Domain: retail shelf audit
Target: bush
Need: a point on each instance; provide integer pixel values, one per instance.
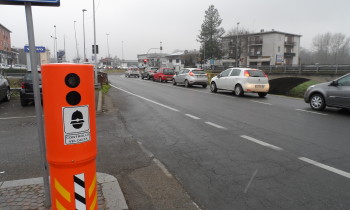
(299, 90)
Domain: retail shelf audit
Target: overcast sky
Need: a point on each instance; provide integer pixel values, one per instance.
(142, 24)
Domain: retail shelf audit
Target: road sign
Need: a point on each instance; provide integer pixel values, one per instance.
(33, 2)
(39, 49)
(76, 122)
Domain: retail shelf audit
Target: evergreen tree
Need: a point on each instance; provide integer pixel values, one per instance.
(210, 34)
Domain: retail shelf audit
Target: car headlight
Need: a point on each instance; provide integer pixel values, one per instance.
(310, 87)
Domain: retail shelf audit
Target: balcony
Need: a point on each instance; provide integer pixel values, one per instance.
(258, 53)
(289, 43)
(289, 54)
(255, 42)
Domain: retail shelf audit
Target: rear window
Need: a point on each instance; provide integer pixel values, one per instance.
(198, 72)
(168, 72)
(256, 73)
(29, 77)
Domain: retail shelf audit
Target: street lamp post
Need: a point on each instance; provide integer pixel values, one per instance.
(107, 46)
(76, 42)
(55, 44)
(84, 10)
(54, 47)
(237, 47)
(95, 47)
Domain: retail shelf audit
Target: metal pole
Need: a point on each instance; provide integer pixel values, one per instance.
(37, 98)
(107, 46)
(76, 42)
(95, 56)
(55, 44)
(122, 50)
(237, 47)
(84, 10)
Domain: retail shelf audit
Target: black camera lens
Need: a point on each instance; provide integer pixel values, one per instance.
(73, 98)
(72, 80)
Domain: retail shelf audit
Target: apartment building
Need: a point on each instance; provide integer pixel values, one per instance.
(6, 55)
(264, 48)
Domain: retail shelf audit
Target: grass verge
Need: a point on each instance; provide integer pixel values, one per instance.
(299, 90)
(105, 88)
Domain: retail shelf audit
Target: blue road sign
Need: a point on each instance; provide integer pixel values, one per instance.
(55, 3)
(39, 49)
(38, 1)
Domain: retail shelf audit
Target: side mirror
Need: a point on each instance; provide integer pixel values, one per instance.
(334, 83)
(219, 76)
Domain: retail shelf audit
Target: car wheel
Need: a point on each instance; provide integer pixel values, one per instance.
(239, 90)
(317, 102)
(262, 95)
(174, 82)
(24, 102)
(187, 84)
(8, 95)
(213, 87)
(148, 77)
(142, 77)
(160, 79)
(204, 86)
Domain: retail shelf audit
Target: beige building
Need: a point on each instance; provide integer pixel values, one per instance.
(264, 48)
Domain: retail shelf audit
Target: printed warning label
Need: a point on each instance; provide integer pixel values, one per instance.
(76, 123)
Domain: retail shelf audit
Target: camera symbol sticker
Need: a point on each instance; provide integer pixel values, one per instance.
(76, 121)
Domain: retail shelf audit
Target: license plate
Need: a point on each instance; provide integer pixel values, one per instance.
(169, 78)
(259, 86)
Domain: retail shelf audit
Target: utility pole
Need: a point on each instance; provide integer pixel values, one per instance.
(237, 47)
(84, 10)
(76, 42)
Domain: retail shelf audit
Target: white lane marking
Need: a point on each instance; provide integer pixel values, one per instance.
(10, 118)
(261, 142)
(162, 167)
(2, 172)
(193, 117)
(250, 181)
(329, 168)
(302, 110)
(216, 125)
(260, 102)
(146, 99)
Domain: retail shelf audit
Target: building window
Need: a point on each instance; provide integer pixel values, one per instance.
(177, 60)
(279, 49)
(170, 60)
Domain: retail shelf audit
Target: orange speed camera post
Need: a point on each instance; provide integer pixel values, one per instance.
(70, 125)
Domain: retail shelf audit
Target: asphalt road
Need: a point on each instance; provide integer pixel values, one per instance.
(241, 152)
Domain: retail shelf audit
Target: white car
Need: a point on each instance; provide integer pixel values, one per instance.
(240, 81)
(4, 66)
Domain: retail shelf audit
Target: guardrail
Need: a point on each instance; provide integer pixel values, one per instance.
(296, 69)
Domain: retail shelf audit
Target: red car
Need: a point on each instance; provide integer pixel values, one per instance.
(164, 74)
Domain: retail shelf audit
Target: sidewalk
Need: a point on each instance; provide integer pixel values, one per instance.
(29, 194)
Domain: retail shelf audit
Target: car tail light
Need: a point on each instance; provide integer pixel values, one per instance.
(191, 73)
(265, 74)
(23, 85)
(246, 73)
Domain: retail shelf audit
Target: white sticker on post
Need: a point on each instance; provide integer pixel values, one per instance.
(76, 123)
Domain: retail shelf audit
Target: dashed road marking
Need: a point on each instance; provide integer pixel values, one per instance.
(216, 125)
(260, 102)
(302, 110)
(326, 167)
(10, 118)
(250, 181)
(146, 99)
(261, 142)
(193, 117)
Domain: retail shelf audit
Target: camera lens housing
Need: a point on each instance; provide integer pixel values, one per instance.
(72, 80)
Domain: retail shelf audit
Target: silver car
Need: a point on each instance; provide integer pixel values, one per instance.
(191, 76)
(333, 94)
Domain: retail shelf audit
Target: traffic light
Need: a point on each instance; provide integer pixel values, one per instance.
(145, 61)
(70, 128)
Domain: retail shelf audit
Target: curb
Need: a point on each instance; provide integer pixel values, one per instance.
(114, 198)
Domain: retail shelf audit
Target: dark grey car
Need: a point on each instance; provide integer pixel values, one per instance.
(332, 94)
(4, 89)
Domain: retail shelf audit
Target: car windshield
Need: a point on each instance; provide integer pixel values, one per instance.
(168, 72)
(198, 72)
(256, 73)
